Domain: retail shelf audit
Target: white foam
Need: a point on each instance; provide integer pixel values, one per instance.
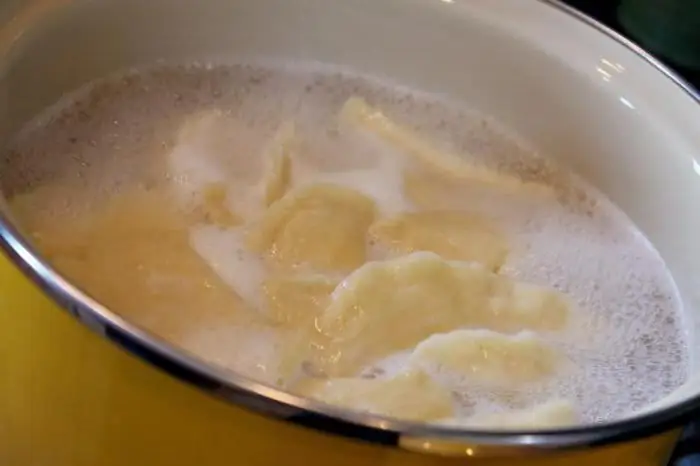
(382, 185)
(224, 251)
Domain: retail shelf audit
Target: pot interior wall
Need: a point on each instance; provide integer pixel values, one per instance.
(578, 96)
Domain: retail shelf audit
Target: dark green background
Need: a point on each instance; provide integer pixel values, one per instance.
(670, 29)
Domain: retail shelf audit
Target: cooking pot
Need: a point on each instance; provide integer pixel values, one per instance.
(81, 386)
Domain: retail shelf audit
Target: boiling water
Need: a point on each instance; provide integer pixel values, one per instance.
(627, 345)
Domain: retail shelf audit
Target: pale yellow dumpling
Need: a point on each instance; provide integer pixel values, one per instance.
(389, 306)
(410, 396)
(517, 305)
(279, 164)
(140, 237)
(555, 413)
(297, 299)
(450, 234)
(213, 208)
(489, 358)
(358, 112)
(294, 301)
(297, 347)
(323, 226)
(430, 191)
(514, 305)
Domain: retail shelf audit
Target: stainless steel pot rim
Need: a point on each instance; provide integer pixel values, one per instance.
(276, 403)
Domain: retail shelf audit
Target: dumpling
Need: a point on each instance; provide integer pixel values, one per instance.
(296, 350)
(358, 112)
(390, 306)
(488, 358)
(321, 226)
(213, 208)
(140, 237)
(430, 191)
(410, 396)
(296, 300)
(450, 234)
(552, 414)
(518, 305)
(278, 173)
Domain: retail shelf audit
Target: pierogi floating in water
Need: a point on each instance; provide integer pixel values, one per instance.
(401, 257)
